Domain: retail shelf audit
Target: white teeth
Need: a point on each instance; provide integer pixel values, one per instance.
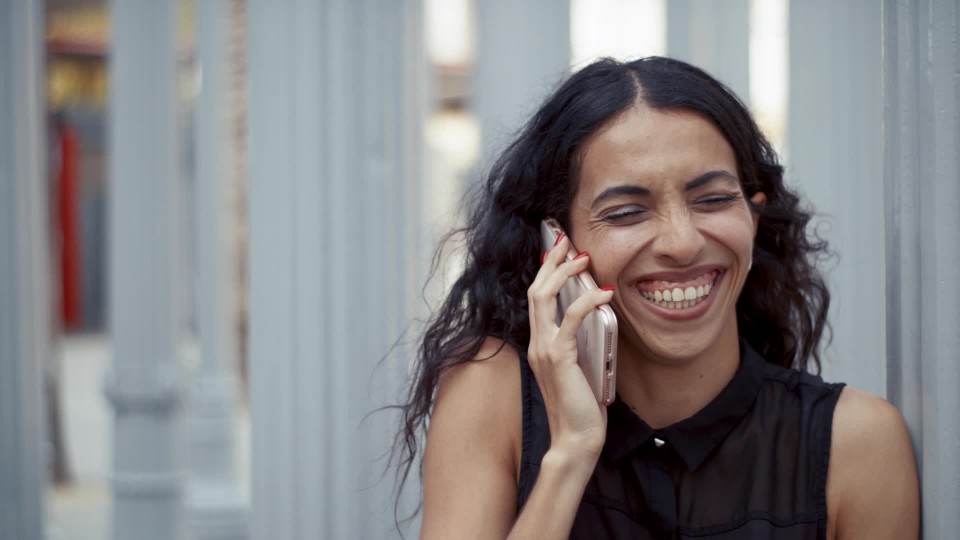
(677, 298)
(677, 294)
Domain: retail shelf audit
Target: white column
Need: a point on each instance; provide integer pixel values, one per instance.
(921, 127)
(713, 35)
(834, 149)
(523, 50)
(216, 508)
(144, 316)
(24, 271)
(334, 144)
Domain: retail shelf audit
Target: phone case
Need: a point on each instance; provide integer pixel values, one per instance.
(597, 336)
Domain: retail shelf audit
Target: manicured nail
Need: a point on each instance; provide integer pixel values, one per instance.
(607, 288)
(580, 255)
(559, 238)
(543, 257)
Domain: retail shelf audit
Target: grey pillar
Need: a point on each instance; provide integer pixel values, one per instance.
(334, 145)
(713, 35)
(216, 507)
(144, 381)
(24, 270)
(523, 50)
(834, 140)
(921, 104)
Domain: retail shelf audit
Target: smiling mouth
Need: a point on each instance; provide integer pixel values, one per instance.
(679, 295)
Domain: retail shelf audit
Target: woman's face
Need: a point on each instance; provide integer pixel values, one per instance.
(661, 211)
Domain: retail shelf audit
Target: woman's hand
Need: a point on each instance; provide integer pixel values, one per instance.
(577, 421)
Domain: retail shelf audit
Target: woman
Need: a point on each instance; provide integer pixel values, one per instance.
(659, 175)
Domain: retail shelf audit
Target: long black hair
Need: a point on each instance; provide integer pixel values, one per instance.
(781, 313)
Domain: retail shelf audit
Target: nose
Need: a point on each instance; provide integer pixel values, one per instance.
(678, 241)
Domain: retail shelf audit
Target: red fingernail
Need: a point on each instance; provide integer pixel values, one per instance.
(543, 257)
(581, 254)
(559, 238)
(607, 288)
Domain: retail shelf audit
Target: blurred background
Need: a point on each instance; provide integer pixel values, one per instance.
(218, 219)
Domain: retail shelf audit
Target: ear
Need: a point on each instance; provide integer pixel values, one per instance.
(757, 202)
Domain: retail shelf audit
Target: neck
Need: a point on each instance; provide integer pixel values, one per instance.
(665, 391)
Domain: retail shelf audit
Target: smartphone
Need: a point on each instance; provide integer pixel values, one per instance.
(597, 336)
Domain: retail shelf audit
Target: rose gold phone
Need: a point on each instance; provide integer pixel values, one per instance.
(597, 336)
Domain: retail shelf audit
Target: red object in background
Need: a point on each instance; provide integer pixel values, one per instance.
(68, 214)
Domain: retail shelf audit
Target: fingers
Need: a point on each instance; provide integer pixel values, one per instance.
(576, 419)
(554, 258)
(579, 309)
(542, 294)
(556, 279)
(548, 338)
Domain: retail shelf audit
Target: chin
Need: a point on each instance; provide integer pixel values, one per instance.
(677, 336)
(673, 350)
(670, 344)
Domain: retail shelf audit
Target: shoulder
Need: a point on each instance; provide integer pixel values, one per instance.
(869, 432)
(872, 487)
(482, 397)
(484, 392)
(473, 445)
(495, 363)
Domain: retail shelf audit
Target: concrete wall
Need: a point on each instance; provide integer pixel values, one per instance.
(335, 142)
(24, 271)
(921, 186)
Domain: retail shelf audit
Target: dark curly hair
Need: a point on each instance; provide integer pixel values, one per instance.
(781, 313)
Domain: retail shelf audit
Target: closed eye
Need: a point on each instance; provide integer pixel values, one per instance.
(716, 202)
(625, 214)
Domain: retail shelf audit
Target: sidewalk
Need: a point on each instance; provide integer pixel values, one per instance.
(81, 511)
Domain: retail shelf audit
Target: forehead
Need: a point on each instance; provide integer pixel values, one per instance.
(655, 148)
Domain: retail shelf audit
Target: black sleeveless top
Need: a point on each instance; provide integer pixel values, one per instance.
(751, 464)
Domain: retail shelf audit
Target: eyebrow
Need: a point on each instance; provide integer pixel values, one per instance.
(630, 189)
(706, 177)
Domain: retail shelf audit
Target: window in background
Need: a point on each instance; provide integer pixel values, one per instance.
(623, 29)
(451, 132)
(450, 32)
(768, 69)
(628, 29)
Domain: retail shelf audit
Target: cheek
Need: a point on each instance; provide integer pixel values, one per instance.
(611, 251)
(734, 230)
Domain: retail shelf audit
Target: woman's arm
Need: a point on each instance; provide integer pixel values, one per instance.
(553, 503)
(471, 462)
(472, 458)
(473, 449)
(872, 486)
